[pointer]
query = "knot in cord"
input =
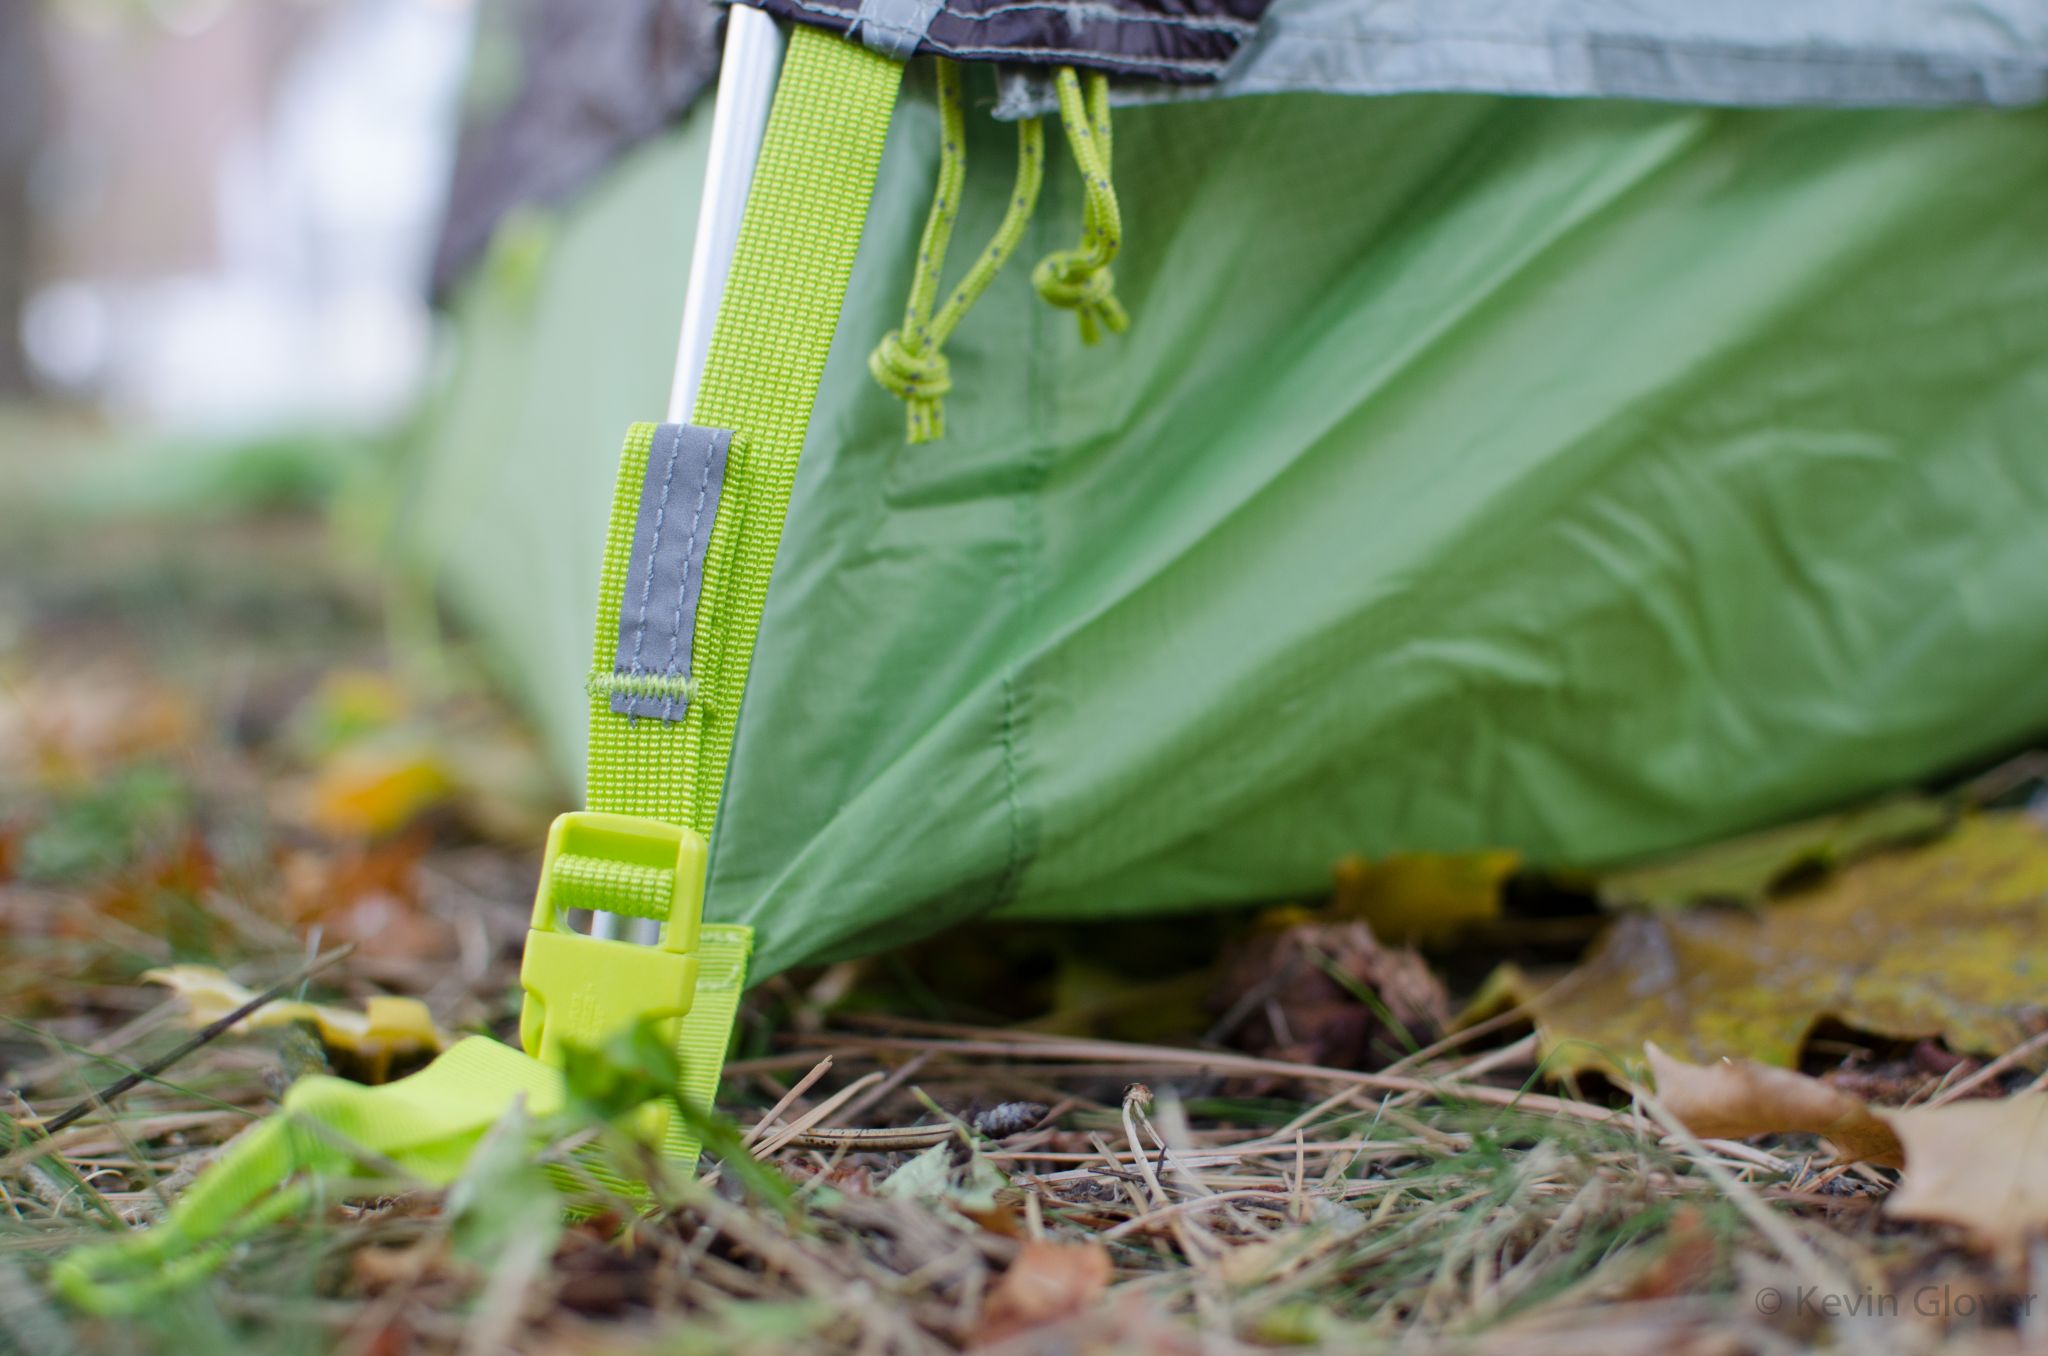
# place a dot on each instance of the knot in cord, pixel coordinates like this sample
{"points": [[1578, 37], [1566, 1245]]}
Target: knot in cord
{"points": [[919, 377], [915, 369], [1079, 279], [1073, 281]]}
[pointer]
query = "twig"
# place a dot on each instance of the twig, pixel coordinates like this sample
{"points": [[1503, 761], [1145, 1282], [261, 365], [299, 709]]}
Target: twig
{"points": [[212, 1031], [767, 1122], [1991, 1070], [999, 1044]]}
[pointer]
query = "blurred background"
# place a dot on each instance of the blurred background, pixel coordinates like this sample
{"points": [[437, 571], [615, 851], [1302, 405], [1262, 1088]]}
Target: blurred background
{"points": [[227, 722], [219, 216]]}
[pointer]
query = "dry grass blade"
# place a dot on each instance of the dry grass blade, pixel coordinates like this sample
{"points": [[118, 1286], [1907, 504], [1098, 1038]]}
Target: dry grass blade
{"points": [[212, 1031]]}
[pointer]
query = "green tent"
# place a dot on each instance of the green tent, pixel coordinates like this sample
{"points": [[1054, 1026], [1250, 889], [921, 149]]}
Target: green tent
{"points": [[1586, 474]]}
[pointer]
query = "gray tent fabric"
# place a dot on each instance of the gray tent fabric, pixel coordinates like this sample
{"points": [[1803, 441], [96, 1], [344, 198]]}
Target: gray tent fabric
{"points": [[591, 81], [1735, 53]]}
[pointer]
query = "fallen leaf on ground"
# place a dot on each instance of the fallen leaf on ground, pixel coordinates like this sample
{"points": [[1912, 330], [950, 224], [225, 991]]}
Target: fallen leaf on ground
{"points": [[386, 1030], [1734, 1099], [1752, 866], [1313, 992], [1422, 898], [1684, 1264], [1981, 1164], [1048, 1282], [368, 790], [1090, 999], [969, 1186], [1949, 940]]}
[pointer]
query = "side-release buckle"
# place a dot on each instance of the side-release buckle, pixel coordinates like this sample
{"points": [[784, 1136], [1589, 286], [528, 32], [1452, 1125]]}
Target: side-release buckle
{"points": [[581, 990]]}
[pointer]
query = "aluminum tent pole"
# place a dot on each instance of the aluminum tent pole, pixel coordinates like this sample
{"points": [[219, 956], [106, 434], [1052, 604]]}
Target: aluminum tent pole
{"points": [[746, 87]]}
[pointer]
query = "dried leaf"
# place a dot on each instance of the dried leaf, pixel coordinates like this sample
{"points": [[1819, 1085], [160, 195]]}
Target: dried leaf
{"points": [[1734, 1099], [1047, 1283], [1980, 1164], [933, 1177], [1683, 1265], [1422, 898], [367, 893], [1949, 940], [1316, 992], [386, 1030]]}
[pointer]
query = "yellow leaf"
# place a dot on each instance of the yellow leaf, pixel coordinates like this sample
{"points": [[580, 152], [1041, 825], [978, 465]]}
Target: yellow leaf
{"points": [[1423, 898], [387, 1028], [1750, 867], [1946, 940], [372, 790]]}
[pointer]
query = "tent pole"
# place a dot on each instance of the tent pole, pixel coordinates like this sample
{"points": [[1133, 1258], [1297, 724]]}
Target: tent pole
{"points": [[746, 87]]}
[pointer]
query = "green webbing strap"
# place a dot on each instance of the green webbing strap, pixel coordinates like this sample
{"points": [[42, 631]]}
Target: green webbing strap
{"points": [[796, 245], [706, 1031], [790, 266], [775, 326]]}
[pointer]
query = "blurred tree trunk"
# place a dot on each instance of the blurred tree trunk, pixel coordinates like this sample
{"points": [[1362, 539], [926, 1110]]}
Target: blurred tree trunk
{"points": [[21, 115]]}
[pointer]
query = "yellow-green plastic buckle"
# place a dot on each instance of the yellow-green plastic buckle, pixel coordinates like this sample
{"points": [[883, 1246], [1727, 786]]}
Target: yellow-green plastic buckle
{"points": [[580, 990]]}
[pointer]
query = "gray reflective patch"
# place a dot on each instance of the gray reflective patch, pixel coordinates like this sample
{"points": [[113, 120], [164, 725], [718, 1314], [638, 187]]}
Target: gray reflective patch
{"points": [[658, 614], [894, 27]]}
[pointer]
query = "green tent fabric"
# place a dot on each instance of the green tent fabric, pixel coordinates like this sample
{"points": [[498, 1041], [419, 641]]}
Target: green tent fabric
{"points": [[1581, 477]]}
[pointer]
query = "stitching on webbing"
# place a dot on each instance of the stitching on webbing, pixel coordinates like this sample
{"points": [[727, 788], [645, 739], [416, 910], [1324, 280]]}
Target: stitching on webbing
{"points": [[683, 581], [675, 447], [669, 686], [708, 662]]}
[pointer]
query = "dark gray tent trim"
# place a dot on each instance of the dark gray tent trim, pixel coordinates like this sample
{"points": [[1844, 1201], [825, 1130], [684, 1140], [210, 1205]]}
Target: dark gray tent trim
{"points": [[1177, 42], [1741, 53]]}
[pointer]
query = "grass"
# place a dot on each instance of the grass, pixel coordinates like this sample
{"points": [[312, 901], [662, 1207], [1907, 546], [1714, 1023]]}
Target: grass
{"points": [[155, 764]]}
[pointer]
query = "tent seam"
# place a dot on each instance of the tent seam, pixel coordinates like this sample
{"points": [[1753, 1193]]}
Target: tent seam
{"points": [[1014, 732]]}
